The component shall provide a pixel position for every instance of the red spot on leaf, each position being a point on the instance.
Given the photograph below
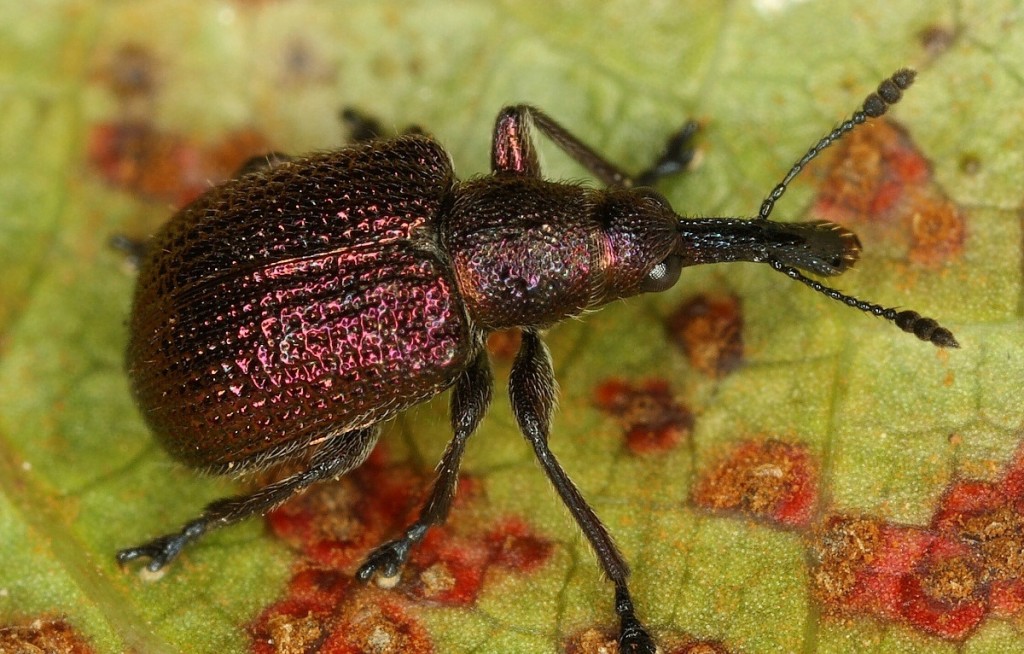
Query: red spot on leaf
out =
(136, 156)
(899, 573)
(503, 344)
(449, 569)
(942, 597)
(769, 479)
(132, 74)
(937, 39)
(592, 641)
(326, 613)
(335, 525)
(42, 634)
(879, 178)
(709, 329)
(514, 546)
(944, 580)
(701, 647)
(603, 641)
(653, 419)
(380, 624)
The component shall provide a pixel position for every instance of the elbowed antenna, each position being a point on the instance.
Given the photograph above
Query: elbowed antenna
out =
(783, 259)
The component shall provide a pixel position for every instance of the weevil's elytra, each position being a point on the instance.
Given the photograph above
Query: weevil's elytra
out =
(287, 335)
(284, 315)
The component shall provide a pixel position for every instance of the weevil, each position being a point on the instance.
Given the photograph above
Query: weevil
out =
(284, 315)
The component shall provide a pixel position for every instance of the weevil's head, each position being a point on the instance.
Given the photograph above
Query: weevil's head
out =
(640, 241)
(646, 244)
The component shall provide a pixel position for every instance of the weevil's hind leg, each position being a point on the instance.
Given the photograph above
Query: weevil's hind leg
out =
(513, 153)
(470, 398)
(133, 249)
(262, 162)
(532, 393)
(363, 127)
(336, 456)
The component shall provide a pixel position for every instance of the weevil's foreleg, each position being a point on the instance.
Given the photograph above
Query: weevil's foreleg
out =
(513, 152)
(532, 393)
(676, 157)
(336, 456)
(470, 399)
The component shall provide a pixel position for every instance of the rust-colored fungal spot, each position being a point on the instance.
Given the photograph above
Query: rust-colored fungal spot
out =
(380, 624)
(448, 568)
(879, 179)
(989, 518)
(592, 641)
(896, 572)
(131, 153)
(653, 418)
(502, 345)
(936, 231)
(840, 549)
(42, 635)
(326, 613)
(514, 545)
(709, 329)
(952, 581)
(936, 39)
(335, 525)
(132, 74)
(943, 580)
(770, 479)
(601, 641)
(303, 619)
(451, 569)
(700, 647)
(293, 634)
(139, 158)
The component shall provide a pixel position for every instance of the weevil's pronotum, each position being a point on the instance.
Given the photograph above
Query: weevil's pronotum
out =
(284, 315)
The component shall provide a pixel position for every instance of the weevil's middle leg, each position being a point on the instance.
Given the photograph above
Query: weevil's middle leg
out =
(470, 399)
(512, 150)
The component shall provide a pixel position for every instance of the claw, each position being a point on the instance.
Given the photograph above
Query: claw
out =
(634, 639)
(161, 551)
(387, 561)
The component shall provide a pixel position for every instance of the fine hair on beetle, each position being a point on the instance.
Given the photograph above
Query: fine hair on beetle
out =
(283, 316)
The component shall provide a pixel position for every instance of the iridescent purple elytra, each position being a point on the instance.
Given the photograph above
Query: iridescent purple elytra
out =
(314, 302)
(284, 315)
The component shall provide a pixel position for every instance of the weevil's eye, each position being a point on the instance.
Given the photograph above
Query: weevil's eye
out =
(662, 276)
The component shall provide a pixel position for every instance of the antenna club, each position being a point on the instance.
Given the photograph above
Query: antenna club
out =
(925, 329)
(912, 322)
(904, 77)
(889, 92)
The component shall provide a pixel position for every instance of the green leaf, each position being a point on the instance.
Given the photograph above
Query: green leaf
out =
(889, 425)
